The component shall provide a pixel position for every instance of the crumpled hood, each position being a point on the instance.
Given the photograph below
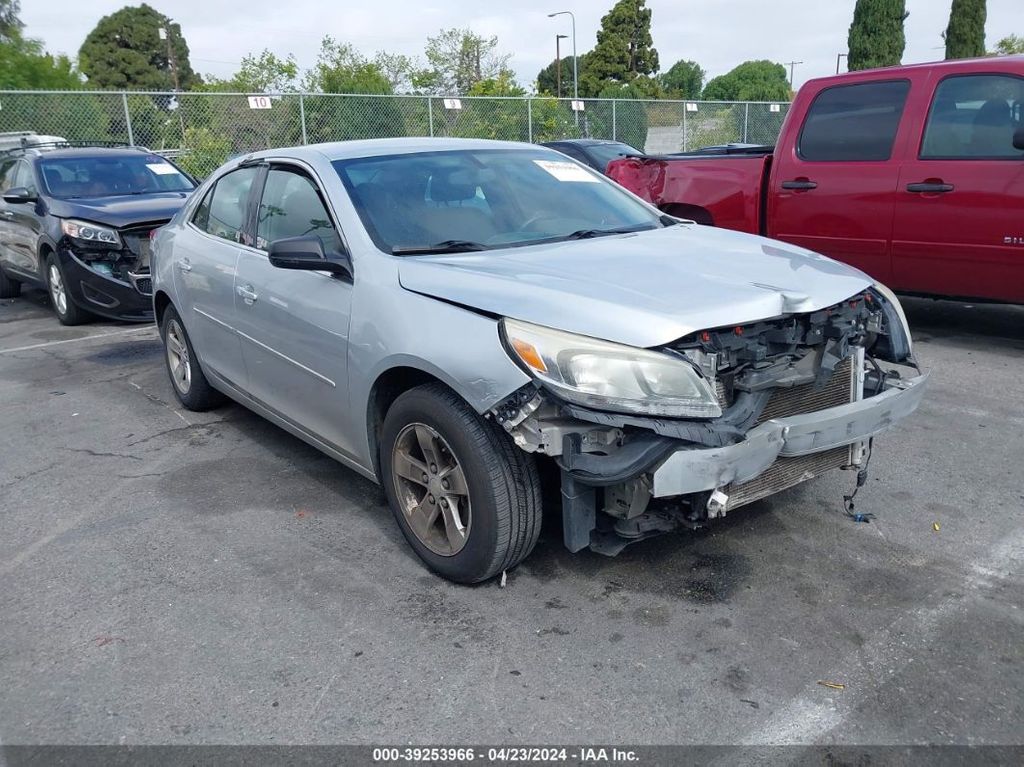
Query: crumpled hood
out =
(644, 289)
(121, 210)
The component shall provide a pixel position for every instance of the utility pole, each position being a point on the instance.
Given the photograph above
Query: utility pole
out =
(792, 65)
(165, 34)
(558, 65)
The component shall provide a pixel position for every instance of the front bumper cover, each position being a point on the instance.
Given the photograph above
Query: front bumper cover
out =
(696, 470)
(101, 294)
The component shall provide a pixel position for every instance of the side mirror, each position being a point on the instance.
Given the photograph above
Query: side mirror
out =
(307, 253)
(1018, 139)
(19, 195)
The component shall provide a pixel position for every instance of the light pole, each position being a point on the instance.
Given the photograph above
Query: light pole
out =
(558, 65)
(792, 65)
(840, 57)
(575, 71)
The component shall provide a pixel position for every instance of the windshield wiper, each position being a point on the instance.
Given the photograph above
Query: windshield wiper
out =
(586, 234)
(446, 246)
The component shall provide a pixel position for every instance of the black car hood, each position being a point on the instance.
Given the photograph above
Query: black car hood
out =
(122, 210)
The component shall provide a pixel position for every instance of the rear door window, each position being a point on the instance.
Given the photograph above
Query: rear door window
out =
(974, 117)
(224, 210)
(854, 123)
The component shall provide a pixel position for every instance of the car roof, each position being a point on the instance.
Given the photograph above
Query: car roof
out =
(988, 65)
(581, 141)
(86, 152)
(348, 150)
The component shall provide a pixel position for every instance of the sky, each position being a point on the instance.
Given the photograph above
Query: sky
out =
(718, 34)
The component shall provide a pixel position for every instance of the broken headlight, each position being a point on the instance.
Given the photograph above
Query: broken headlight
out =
(896, 319)
(610, 376)
(91, 233)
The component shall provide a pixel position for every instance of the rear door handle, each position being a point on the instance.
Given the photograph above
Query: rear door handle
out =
(247, 293)
(185, 266)
(7, 214)
(800, 184)
(930, 187)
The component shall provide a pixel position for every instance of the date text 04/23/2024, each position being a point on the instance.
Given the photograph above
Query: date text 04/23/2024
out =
(503, 754)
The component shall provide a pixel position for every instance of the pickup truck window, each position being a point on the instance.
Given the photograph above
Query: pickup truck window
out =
(974, 117)
(853, 123)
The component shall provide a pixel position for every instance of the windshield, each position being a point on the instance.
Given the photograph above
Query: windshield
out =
(72, 177)
(484, 199)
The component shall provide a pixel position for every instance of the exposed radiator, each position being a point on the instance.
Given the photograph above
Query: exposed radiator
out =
(787, 472)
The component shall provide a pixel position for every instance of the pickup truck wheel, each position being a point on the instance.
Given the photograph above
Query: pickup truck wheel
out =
(467, 500)
(190, 385)
(68, 312)
(9, 288)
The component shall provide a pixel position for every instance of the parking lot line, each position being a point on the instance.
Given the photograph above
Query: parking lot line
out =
(71, 340)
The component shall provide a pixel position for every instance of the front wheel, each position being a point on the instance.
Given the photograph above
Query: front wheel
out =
(466, 499)
(68, 312)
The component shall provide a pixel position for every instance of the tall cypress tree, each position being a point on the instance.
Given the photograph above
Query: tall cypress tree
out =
(965, 35)
(625, 53)
(876, 34)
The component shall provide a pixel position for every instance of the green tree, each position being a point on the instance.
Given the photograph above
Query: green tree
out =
(124, 51)
(624, 53)
(877, 38)
(10, 23)
(259, 73)
(547, 78)
(750, 81)
(25, 65)
(1009, 46)
(965, 35)
(340, 68)
(683, 80)
(457, 59)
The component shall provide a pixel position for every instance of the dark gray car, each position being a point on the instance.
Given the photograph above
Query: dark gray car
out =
(451, 318)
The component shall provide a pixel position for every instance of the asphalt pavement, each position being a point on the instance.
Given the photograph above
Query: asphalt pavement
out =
(174, 577)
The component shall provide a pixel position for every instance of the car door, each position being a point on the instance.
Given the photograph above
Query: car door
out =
(23, 224)
(205, 255)
(294, 325)
(958, 229)
(7, 167)
(833, 189)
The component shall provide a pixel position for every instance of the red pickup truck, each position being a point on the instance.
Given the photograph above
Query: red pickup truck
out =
(914, 174)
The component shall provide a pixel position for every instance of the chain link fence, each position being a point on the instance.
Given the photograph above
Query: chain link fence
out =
(202, 130)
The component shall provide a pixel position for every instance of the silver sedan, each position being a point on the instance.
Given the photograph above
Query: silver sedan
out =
(459, 319)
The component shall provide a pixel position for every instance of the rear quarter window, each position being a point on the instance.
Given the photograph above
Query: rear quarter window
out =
(853, 123)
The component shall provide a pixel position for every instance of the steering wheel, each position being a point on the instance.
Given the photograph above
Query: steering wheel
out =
(543, 215)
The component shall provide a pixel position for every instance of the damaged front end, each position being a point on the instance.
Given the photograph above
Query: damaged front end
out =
(794, 397)
(108, 270)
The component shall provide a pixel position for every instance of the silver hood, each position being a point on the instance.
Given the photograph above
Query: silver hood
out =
(644, 289)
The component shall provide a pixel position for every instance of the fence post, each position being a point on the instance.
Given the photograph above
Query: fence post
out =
(430, 114)
(302, 118)
(614, 126)
(127, 118)
(685, 110)
(746, 120)
(529, 116)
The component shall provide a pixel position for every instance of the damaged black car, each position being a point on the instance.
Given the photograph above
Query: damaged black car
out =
(77, 221)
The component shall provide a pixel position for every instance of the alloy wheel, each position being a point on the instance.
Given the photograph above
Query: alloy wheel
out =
(178, 357)
(431, 489)
(57, 292)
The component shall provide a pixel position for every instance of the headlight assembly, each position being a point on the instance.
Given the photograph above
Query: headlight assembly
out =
(91, 233)
(901, 348)
(610, 376)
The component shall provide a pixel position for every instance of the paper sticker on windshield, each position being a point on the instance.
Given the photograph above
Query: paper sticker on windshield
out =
(162, 168)
(566, 171)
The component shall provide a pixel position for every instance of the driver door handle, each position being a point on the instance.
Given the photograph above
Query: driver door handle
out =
(7, 214)
(185, 266)
(247, 293)
(930, 187)
(800, 185)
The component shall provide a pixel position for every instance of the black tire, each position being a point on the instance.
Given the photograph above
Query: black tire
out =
(504, 488)
(9, 288)
(192, 388)
(67, 311)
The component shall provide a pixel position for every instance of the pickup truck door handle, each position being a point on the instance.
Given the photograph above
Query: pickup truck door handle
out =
(185, 266)
(247, 293)
(800, 184)
(930, 187)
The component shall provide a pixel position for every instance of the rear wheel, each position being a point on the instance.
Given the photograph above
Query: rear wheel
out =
(9, 288)
(191, 386)
(466, 499)
(68, 312)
